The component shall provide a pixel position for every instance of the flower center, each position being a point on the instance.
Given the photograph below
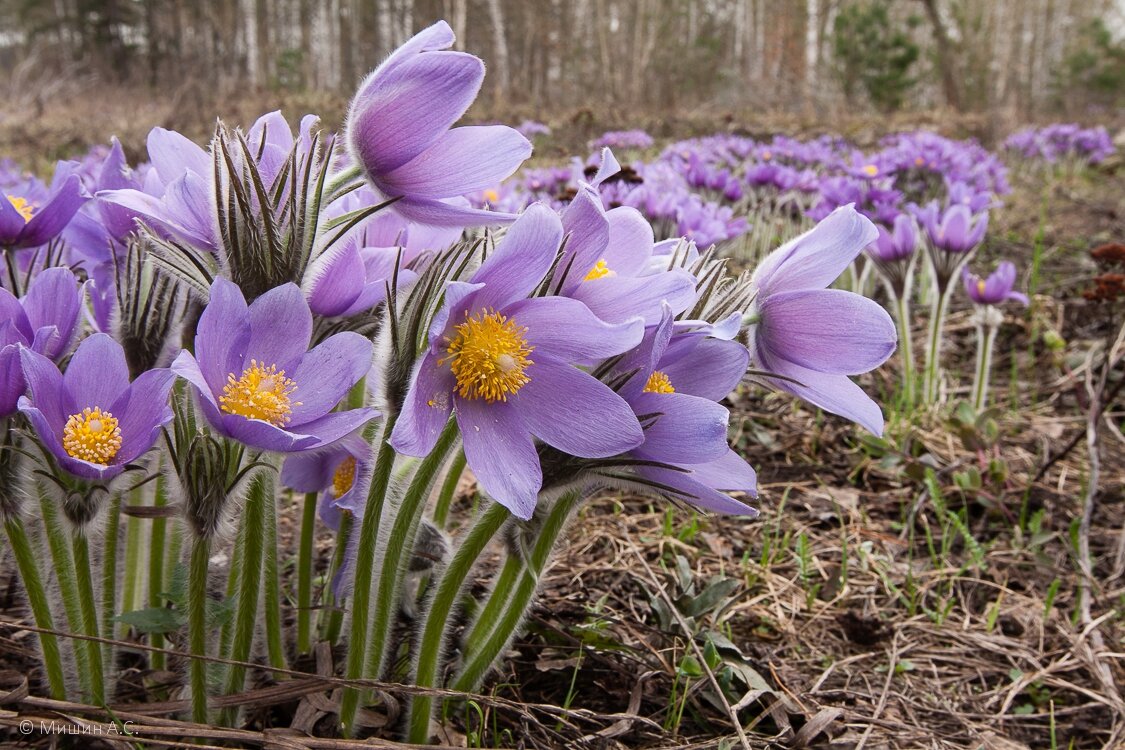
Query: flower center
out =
(658, 382)
(260, 393)
(871, 170)
(25, 209)
(92, 435)
(489, 357)
(599, 271)
(344, 477)
(980, 286)
(492, 196)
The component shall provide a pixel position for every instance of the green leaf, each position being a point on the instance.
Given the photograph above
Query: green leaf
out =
(154, 620)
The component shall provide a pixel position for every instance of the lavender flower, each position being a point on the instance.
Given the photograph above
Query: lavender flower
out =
(996, 288)
(258, 383)
(814, 337)
(399, 132)
(45, 321)
(92, 419)
(32, 214)
(505, 362)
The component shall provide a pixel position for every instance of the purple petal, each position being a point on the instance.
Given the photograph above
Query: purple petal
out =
(265, 436)
(575, 412)
(709, 368)
(45, 383)
(54, 299)
(461, 161)
(397, 116)
(339, 284)
(96, 375)
(12, 222)
(12, 383)
(141, 411)
(829, 330)
(187, 367)
(816, 258)
(172, 154)
(222, 336)
(521, 259)
(587, 229)
(280, 328)
(834, 393)
(501, 453)
(310, 472)
(616, 299)
(336, 425)
(689, 430)
(425, 410)
(449, 213)
(52, 217)
(326, 374)
(567, 330)
(630, 241)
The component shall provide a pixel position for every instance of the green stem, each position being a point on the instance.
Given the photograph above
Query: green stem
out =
(448, 488)
(398, 543)
(40, 609)
(439, 612)
(109, 577)
(489, 614)
(365, 557)
(332, 619)
(197, 626)
(134, 544)
(933, 355)
(156, 569)
(89, 616)
(493, 631)
(304, 574)
(906, 348)
(249, 585)
(271, 599)
(63, 563)
(986, 340)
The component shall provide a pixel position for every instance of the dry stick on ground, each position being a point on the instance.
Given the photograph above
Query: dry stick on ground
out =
(695, 648)
(1093, 644)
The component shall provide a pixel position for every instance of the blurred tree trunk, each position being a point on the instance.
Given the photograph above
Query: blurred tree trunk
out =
(500, 41)
(945, 54)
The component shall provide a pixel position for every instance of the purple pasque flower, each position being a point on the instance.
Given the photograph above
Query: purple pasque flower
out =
(177, 197)
(505, 364)
(45, 321)
(256, 380)
(91, 418)
(896, 245)
(814, 337)
(678, 379)
(607, 263)
(998, 287)
(956, 230)
(400, 133)
(341, 472)
(32, 214)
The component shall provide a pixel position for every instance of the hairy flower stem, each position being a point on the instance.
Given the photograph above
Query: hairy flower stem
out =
(902, 308)
(156, 569)
(89, 607)
(304, 574)
(197, 626)
(399, 544)
(332, 616)
(248, 585)
(507, 605)
(448, 488)
(134, 544)
(933, 355)
(438, 616)
(365, 557)
(986, 340)
(271, 599)
(40, 609)
(63, 563)
(109, 576)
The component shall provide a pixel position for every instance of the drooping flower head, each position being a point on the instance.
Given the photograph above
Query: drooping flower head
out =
(505, 364)
(258, 383)
(814, 337)
(45, 321)
(998, 287)
(91, 418)
(400, 133)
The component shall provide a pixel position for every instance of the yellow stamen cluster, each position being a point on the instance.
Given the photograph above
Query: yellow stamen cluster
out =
(599, 271)
(492, 196)
(92, 435)
(871, 170)
(658, 382)
(260, 393)
(25, 209)
(980, 286)
(344, 477)
(489, 357)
